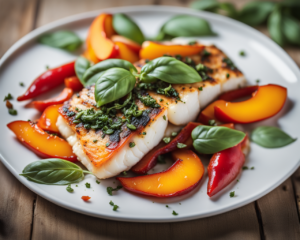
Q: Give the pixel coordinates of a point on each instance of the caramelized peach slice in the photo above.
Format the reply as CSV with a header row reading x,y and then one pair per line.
x,y
49,118
129,43
43,144
182,177
265,103
126,53
209,112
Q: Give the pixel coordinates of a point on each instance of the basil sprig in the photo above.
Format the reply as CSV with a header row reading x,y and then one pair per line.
x,y
169,70
53,171
209,140
184,26
126,27
81,65
92,74
271,137
66,40
113,84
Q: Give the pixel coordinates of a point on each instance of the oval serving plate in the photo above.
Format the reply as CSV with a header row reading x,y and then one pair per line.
x,y
264,60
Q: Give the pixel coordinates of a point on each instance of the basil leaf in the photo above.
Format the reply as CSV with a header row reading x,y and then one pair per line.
x,y
187,26
255,13
291,29
81,65
275,26
93,73
270,137
112,85
53,171
229,8
126,27
209,140
66,40
206,5
169,70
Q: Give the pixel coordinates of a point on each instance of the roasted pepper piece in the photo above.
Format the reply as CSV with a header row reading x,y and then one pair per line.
x,y
182,177
48,80
150,159
73,83
48,119
265,103
43,144
65,95
151,50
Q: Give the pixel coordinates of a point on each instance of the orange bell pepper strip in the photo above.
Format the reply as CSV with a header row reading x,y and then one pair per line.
x,y
99,34
73,83
48,119
43,144
126,53
150,159
65,95
128,42
182,177
265,103
238,93
151,50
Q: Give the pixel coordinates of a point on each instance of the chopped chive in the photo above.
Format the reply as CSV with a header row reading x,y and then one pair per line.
x,y
181,145
231,194
174,213
167,140
131,144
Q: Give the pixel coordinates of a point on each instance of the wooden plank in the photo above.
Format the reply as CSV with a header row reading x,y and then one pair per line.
x,y
54,222
17,202
296,185
279,213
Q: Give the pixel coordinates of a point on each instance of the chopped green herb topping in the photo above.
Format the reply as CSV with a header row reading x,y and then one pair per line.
x,y
115,207
111,203
8,97
124,173
192,42
131,144
88,185
69,189
229,63
245,168
110,189
205,53
97,181
107,144
231,194
252,168
167,140
257,81
160,87
21,84
174,213
242,53
95,140
212,122
131,126
144,133
174,134
181,145
167,206
227,75
12,111
200,88
164,117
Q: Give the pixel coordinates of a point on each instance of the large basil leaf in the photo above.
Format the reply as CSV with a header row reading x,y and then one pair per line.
x,y
275,26
93,73
209,140
126,27
270,137
112,85
255,13
169,70
291,29
66,40
206,5
53,171
81,65
187,26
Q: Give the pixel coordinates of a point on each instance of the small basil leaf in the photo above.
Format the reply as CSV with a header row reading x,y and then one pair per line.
x,y
206,5
270,137
169,70
187,26
275,26
255,13
126,27
66,40
93,73
112,85
229,9
81,65
291,29
209,140
53,171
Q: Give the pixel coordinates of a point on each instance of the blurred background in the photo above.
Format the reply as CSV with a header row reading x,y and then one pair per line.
x,y
18,17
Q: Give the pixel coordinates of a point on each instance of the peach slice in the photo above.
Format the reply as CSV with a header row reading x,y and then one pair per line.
x,y
129,43
49,118
126,53
43,144
182,177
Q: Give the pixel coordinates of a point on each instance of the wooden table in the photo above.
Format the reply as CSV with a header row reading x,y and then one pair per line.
x,y
24,215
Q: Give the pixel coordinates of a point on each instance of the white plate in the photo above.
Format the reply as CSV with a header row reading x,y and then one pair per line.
x,y
266,61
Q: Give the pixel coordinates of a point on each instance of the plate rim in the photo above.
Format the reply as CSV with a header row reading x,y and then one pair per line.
x,y
148,8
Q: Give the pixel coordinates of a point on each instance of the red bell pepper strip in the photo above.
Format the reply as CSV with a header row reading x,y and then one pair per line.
x,y
150,159
238,93
223,168
73,83
48,80
65,95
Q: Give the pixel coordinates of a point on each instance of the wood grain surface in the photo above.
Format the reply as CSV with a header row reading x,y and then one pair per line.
x,y
24,215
